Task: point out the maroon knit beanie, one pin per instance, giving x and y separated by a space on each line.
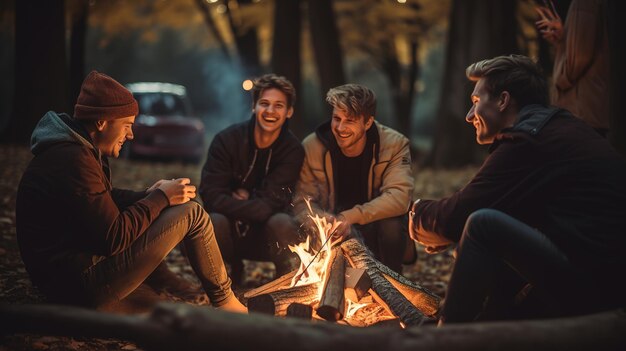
103 98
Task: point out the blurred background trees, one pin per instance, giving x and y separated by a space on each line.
412 53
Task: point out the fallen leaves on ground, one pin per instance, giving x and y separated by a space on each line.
432 271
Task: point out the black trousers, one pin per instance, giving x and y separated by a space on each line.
497 255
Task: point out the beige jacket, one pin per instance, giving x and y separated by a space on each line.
390 180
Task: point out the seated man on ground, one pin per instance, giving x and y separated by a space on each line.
543 221
358 171
85 242
249 178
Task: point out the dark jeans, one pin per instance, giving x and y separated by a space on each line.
387 238
495 253
261 241
115 277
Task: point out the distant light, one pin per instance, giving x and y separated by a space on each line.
247 84
221 8
211 1
402 1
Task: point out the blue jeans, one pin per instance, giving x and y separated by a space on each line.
115 277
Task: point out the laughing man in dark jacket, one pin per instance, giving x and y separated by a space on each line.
547 209
249 176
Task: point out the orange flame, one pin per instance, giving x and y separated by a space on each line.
316 272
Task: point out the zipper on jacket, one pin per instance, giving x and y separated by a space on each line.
250 168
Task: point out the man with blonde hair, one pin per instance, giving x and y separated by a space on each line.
358 171
542 223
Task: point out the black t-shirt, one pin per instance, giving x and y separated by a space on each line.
351 175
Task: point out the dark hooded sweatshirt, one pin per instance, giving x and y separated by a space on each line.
69 216
269 174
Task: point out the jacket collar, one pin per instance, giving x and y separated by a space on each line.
530 121
325 135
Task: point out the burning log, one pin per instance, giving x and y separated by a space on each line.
332 303
271 286
186 327
277 302
385 292
357 283
299 310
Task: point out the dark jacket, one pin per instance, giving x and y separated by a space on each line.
554 173
68 214
229 165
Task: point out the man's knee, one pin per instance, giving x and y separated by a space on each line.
281 226
481 223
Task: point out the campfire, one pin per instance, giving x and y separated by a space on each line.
342 282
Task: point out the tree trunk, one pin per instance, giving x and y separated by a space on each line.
326 46
212 27
187 327
40 68
246 42
479 29
286 58
77 50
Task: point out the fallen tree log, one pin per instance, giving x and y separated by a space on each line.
187 327
410 310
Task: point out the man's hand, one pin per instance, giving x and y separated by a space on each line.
155 186
432 242
344 228
178 191
241 194
550 24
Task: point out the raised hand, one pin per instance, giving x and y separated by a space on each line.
550 24
178 191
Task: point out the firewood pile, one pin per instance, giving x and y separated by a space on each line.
357 290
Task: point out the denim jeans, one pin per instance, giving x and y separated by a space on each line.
496 249
387 238
115 277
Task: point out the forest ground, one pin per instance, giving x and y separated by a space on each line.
431 271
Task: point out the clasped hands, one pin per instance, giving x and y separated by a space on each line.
178 191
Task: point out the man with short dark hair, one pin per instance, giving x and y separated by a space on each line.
84 241
543 221
359 172
248 180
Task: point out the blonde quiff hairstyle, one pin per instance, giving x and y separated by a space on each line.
356 100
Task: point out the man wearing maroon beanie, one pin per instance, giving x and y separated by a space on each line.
84 241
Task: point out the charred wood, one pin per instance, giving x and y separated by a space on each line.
277 302
299 310
357 283
384 291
